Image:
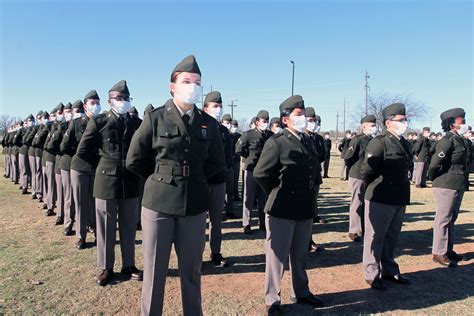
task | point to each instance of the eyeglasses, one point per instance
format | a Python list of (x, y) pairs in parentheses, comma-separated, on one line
[(120, 98)]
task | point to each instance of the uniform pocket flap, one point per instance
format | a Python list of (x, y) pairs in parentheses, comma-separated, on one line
[(104, 169), (165, 178)]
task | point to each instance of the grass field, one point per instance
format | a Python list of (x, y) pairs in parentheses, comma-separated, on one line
[(41, 271)]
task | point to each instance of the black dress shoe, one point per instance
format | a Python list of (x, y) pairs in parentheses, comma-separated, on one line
[(314, 247), (133, 273), (91, 229), (40, 200), (273, 310), (104, 277), (247, 230), (452, 255), (398, 278), (50, 212), (376, 284), (45, 206), (445, 261), (219, 260), (319, 220), (24, 192), (34, 197), (68, 231), (311, 299), (59, 221), (81, 244)]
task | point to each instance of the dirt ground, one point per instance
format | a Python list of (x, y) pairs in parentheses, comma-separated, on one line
[(41, 271)]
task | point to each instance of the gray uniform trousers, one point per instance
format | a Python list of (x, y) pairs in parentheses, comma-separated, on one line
[(236, 171), (23, 166), (419, 173), (160, 231), (39, 177), (229, 191), (343, 169), (383, 223), (69, 205), (14, 166), (252, 189), (325, 167), (59, 195), (216, 203), (82, 184), (6, 166), (356, 209), (286, 238), (106, 229), (447, 205), (50, 184), (32, 173)]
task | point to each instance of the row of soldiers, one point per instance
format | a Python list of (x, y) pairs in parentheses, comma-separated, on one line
[(179, 166)]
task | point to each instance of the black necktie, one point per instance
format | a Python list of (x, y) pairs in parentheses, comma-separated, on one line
[(186, 118)]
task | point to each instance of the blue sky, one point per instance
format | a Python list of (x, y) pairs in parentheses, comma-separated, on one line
[(56, 51)]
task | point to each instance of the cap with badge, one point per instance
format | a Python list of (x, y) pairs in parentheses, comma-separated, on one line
[(188, 64), (394, 109), (368, 119), (293, 102)]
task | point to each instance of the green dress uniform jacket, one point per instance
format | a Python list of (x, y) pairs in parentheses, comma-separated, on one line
[(177, 160), (355, 154), (111, 134), (70, 142), (286, 171), (448, 164), (250, 146), (422, 149), (385, 170)]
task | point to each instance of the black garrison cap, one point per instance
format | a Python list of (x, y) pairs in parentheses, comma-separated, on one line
[(368, 119), (456, 112), (121, 87), (226, 117), (262, 114), (394, 109), (293, 102), (188, 64), (91, 95), (213, 96)]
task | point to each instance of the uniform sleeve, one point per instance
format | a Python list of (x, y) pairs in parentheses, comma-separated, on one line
[(55, 141), (417, 147), (373, 159), (439, 160), (352, 151), (242, 146), (266, 171), (216, 156), (322, 148), (140, 157), (69, 139), (89, 143), (38, 142)]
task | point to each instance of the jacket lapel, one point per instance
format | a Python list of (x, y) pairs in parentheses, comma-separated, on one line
[(296, 141), (173, 114)]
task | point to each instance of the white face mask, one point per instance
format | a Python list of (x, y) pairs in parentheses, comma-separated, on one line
[(299, 123), (400, 127), (326, 136), (60, 117), (52, 118), (463, 128), (77, 115), (68, 116), (188, 93), (371, 131), (94, 109), (277, 130), (262, 126), (31, 123), (121, 107), (227, 125), (233, 129), (215, 113), (348, 135), (311, 126), (318, 128)]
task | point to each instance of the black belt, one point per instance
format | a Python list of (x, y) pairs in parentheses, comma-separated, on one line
[(174, 170)]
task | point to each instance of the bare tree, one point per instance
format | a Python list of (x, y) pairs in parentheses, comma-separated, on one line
[(416, 110), (5, 122)]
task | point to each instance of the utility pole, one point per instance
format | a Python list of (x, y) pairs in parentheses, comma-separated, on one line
[(232, 106), (344, 114), (293, 78), (366, 92), (337, 126)]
